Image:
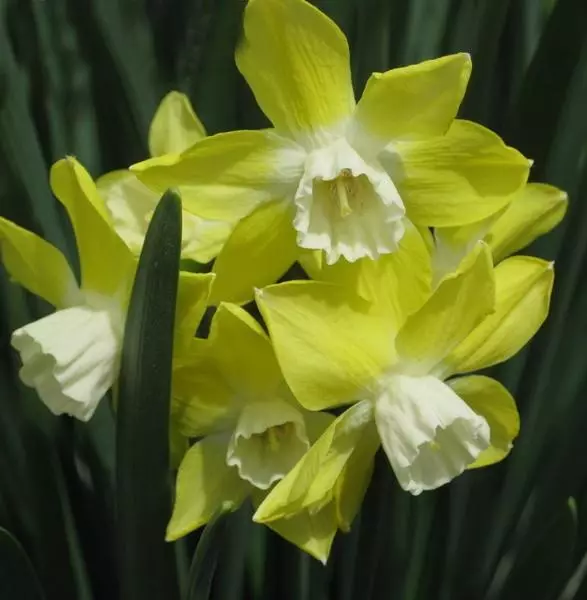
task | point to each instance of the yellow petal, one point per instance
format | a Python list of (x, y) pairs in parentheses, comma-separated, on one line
[(523, 286), (107, 265), (534, 211), (455, 308), (355, 477), (203, 402), (311, 532), (397, 284), (175, 126), (296, 61), (260, 250), (243, 353), (312, 483), (225, 176), (131, 205), (37, 265), (192, 298), (457, 179), (205, 485), (495, 404), (414, 102), (328, 345)]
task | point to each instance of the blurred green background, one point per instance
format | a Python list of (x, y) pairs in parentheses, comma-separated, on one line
[(83, 77)]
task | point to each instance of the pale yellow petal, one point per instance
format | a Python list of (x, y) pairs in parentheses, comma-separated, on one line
[(175, 126), (205, 486), (412, 103), (455, 308), (534, 211), (462, 177), (312, 483), (37, 265), (107, 264), (330, 348), (495, 404), (225, 176), (397, 284), (523, 286), (296, 61), (259, 251)]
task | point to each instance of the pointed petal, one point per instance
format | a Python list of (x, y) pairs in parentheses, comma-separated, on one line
[(534, 211), (411, 103), (243, 353), (225, 176), (260, 250), (296, 61), (107, 264), (192, 298), (203, 403), (175, 126), (131, 204), (455, 308), (37, 265), (457, 179), (311, 484), (311, 532), (523, 285), (428, 433), (205, 485), (328, 345), (397, 284), (488, 398)]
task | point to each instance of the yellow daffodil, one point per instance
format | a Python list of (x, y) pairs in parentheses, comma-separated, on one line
[(534, 211), (175, 127), (230, 393), (71, 356), (334, 174), (393, 358)]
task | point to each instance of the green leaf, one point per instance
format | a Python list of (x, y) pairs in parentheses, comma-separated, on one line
[(206, 557), (142, 471), (17, 576)]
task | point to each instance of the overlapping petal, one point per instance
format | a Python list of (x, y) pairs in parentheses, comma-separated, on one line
[(260, 250), (495, 404), (411, 103), (227, 175), (396, 284), (175, 126), (455, 308), (536, 210), (459, 178), (107, 264), (330, 348), (205, 486), (523, 286), (37, 265), (311, 484), (296, 61)]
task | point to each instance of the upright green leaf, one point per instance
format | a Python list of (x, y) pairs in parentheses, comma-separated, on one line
[(142, 471)]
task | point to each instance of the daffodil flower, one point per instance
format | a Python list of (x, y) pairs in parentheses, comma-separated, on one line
[(71, 356), (230, 393), (334, 174), (534, 211), (395, 365), (175, 127)]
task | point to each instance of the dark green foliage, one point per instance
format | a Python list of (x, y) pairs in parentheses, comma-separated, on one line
[(83, 77)]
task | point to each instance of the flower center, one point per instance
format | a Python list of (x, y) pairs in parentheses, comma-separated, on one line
[(269, 439)]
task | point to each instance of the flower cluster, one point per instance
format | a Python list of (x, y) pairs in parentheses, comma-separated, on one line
[(403, 218)]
